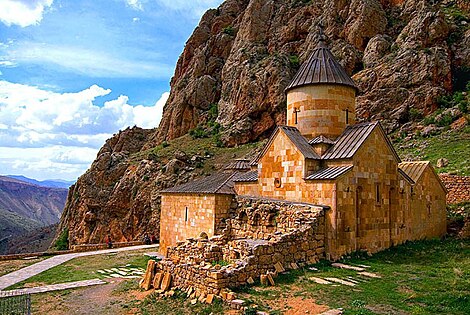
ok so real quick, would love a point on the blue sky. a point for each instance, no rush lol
(73, 72)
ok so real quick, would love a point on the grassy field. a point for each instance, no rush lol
(452, 145)
(85, 268)
(425, 277)
(8, 266)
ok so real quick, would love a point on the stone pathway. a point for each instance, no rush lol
(121, 272)
(52, 287)
(27, 272)
(361, 276)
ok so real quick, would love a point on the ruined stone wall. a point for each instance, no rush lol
(188, 215)
(458, 187)
(227, 261)
(322, 109)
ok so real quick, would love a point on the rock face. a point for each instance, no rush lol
(402, 54)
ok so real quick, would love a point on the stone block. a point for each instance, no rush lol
(210, 298)
(148, 276)
(250, 280)
(270, 279)
(166, 282)
(157, 280)
(263, 279)
(279, 267)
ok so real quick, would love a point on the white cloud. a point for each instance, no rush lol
(23, 12)
(46, 134)
(84, 61)
(197, 7)
(135, 4)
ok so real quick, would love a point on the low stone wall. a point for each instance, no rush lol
(458, 187)
(247, 250)
(91, 247)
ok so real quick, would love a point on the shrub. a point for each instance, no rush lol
(294, 61)
(62, 242)
(445, 120)
(165, 144)
(415, 114)
(198, 132)
(229, 30)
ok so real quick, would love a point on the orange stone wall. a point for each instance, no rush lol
(247, 189)
(285, 162)
(203, 212)
(362, 219)
(322, 109)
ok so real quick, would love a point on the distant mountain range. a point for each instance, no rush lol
(26, 206)
(53, 183)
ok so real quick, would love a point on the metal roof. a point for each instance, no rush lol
(405, 176)
(321, 68)
(251, 176)
(300, 142)
(238, 164)
(413, 169)
(321, 139)
(219, 183)
(295, 137)
(352, 139)
(330, 172)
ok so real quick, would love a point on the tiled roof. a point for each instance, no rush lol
(352, 139)
(413, 169)
(330, 172)
(321, 139)
(219, 183)
(321, 68)
(238, 164)
(246, 177)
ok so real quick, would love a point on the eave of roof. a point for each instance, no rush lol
(218, 183)
(330, 173)
(353, 137)
(251, 176)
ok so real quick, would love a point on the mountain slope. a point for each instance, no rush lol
(25, 207)
(52, 183)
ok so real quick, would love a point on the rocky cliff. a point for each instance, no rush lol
(402, 54)
(230, 80)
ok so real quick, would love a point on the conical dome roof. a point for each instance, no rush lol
(321, 68)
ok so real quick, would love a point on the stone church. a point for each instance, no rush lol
(371, 199)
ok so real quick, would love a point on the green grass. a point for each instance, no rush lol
(85, 268)
(426, 277)
(200, 146)
(452, 145)
(179, 304)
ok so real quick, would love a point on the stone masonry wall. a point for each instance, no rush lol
(238, 255)
(458, 187)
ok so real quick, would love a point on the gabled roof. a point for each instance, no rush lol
(416, 169)
(413, 169)
(330, 172)
(251, 176)
(238, 164)
(321, 68)
(352, 139)
(219, 183)
(295, 137)
(321, 139)
(407, 178)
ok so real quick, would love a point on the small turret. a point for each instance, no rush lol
(321, 99)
